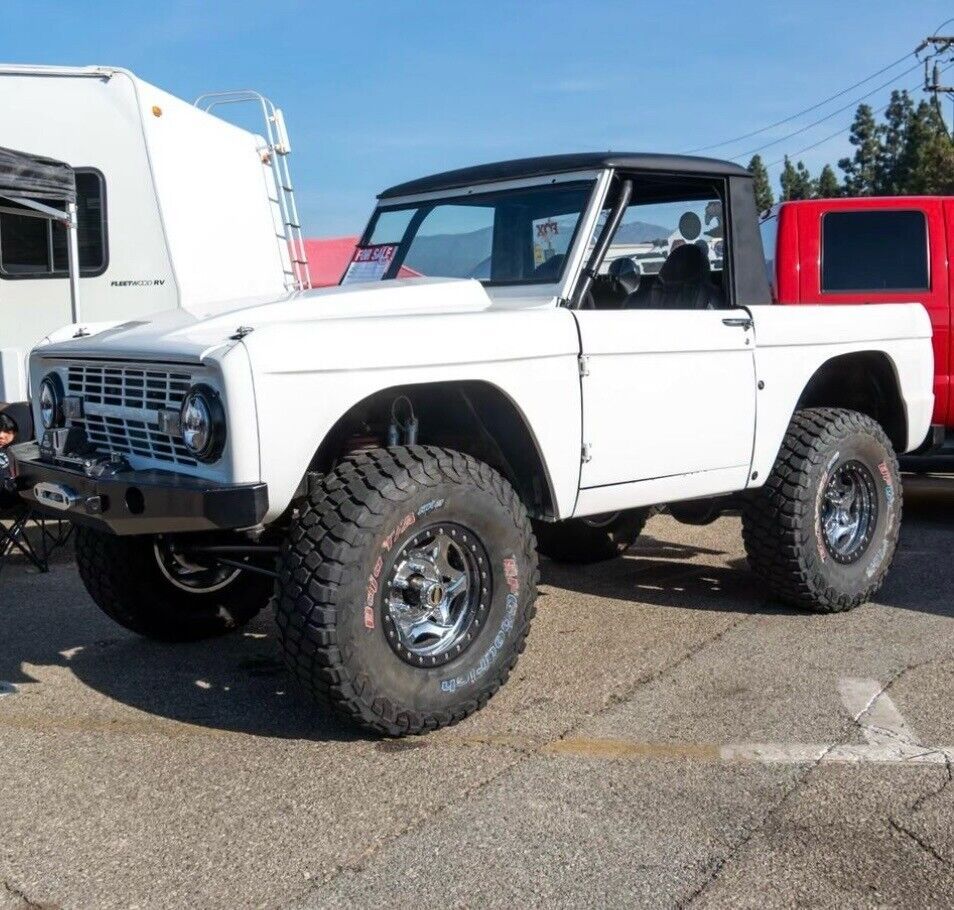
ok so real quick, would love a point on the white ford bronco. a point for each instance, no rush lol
(384, 459)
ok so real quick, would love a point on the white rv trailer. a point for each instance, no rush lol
(177, 207)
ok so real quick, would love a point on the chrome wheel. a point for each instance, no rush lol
(189, 575)
(437, 594)
(849, 512)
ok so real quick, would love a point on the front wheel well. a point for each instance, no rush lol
(864, 381)
(472, 417)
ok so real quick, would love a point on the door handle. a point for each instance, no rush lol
(739, 322)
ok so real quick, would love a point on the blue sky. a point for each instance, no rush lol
(378, 92)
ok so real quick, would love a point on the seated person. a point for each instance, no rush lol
(8, 431)
(8, 434)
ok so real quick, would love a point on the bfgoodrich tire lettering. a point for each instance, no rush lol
(782, 523)
(334, 587)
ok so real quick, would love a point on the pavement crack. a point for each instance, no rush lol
(923, 844)
(918, 804)
(25, 902)
(719, 865)
(521, 755)
(646, 679)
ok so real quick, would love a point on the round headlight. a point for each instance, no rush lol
(203, 423)
(51, 402)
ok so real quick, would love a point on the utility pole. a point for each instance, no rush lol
(940, 50)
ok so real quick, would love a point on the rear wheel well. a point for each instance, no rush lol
(472, 417)
(865, 381)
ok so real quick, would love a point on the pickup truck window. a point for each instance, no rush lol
(36, 248)
(506, 237)
(874, 251)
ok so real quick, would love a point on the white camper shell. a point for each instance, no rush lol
(177, 207)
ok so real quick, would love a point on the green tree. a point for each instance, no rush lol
(892, 175)
(928, 156)
(827, 186)
(861, 170)
(764, 197)
(796, 181)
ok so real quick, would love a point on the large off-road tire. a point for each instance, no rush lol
(125, 577)
(374, 617)
(592, 539)
(821, 533)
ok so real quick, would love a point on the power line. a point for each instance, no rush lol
(834, 135)
(807, 110)
(834, 113)
(814, 145)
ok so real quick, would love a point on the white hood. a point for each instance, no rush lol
(180, 335)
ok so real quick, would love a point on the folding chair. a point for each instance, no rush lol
(13, 535)
(15, 515)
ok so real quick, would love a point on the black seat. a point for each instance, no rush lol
(684, 283)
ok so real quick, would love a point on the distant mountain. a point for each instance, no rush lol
(641, 232)
(450, 255)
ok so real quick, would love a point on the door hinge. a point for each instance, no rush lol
(586, 454)
(584, 363)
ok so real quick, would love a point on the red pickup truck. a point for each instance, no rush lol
(871, 250)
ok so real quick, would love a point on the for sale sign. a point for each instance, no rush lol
(370, 263)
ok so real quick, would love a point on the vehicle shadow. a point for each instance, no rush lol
(662, 573)
(236, 683)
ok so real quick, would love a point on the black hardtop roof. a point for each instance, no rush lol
(522, 168)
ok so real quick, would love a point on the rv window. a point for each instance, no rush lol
(34, 248)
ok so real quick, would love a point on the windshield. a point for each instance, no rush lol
(517, 236)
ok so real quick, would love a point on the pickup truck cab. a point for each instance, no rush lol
(871, 250)
(381, 459)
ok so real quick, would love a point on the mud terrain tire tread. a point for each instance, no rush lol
(317, 578)
(778, 518)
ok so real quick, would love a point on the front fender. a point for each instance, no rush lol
(307, 376)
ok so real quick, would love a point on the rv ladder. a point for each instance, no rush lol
(294, 257)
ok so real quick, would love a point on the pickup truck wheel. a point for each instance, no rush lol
(140, 583)
(592, 539)
(406, 588)
(821, 533)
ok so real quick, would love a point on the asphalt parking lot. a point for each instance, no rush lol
(670, 739)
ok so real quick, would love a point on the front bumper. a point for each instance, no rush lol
(134, 502)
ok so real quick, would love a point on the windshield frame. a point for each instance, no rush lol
(575, 249)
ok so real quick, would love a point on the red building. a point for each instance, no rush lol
(328, 257)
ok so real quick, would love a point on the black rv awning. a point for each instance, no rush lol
(35, 177)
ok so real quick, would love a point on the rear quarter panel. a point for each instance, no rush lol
(792, 343)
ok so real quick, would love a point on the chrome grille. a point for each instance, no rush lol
(121, 405)
(128, 387)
